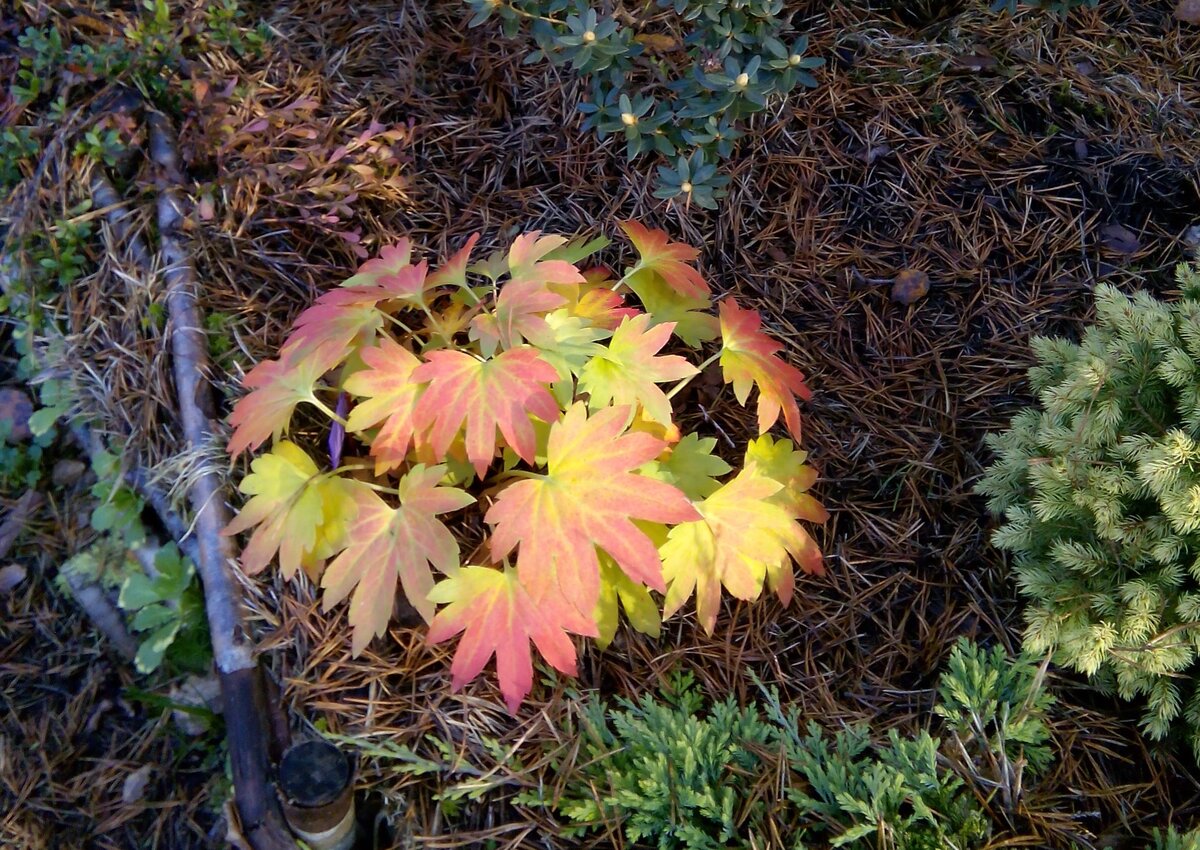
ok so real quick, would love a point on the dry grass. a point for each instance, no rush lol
(988, 152)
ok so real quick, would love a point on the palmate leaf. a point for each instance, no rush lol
(500, 392)
(628, 370)
(526, 260)
(780, 461)
(519, 315)
(669, 260)
(276, 388)
(389, 543)
(691, 466)
(453, 272)
(617, 588)
(379, 271)
(595, 302)
(497, 616)
(391, 398)
(338, 320)
(742, 539)
(589, 497)
(299, 513)
(748, 359)
(693, 324)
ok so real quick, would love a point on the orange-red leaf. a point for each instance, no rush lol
(588, 498)
(391, 261)
(387, 543)
(519, 315)
(391, 398)
(525, 260)
(453, 272)
(393, 274)
(668, 259)
(497, 616)
(276, 387)
(337, 320)
(500, 392)
(748, 359)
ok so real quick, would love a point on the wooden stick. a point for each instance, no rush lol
(141, 484)
(15, 519)
(102, 613)
(241, 684)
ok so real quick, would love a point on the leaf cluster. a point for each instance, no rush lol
(157, 587)
(534, 394)
(1099, 488)
(679, 84)
(144, 52)
(678, 775)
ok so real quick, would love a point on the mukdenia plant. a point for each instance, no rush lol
(679, 83)
(1100, 490)
(529, 392)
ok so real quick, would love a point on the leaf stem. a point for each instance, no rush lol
(699, 370)
(327, 410)
(400, 324)
(624, 281)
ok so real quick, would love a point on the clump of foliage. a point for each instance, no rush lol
(679, 84)
(17, 147)
(993, 711)
(157, 587)
(1099, 487)
(145, 53)
(668, 775)
(678, 776)
(534, 387)
(1173, 839)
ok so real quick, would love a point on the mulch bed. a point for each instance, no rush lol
(1016, 162)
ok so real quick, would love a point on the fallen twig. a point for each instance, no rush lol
(14, 521)
(103, 614)
(241, 684)
(138, 481)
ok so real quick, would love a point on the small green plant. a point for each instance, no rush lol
(24, 464)
(42, 53)
(156, 587)
(17, 147)
(681, 87)
(1099, 487)
(993, 710)
(225, 22)
(678, 775)
(669, 776)
(168, 611)
(101, 145)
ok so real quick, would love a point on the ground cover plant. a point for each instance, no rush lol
(680, 773)
(678, 80)
(525, 363)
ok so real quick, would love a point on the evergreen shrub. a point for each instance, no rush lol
(1099, 488)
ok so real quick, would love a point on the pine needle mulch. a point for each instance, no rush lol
(1015, 162)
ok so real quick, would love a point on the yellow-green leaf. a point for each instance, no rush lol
(615, 587)
(691, 466)
(298, 512)
(742, 540)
